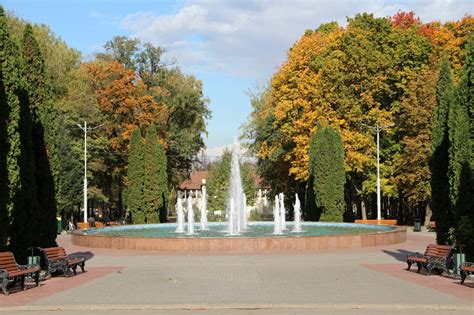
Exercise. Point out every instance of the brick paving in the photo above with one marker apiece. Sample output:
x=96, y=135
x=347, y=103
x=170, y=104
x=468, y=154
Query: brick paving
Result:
x=338, y=281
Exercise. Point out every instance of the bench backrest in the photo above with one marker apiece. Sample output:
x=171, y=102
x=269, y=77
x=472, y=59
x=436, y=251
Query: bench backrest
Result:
x=53, y=253
x=8, y=262
x=440, y=251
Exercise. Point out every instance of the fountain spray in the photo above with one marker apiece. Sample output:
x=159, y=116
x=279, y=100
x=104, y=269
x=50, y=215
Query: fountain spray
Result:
x=180, y=215
x=190, y=216
x=297, y=209
x=276, y=217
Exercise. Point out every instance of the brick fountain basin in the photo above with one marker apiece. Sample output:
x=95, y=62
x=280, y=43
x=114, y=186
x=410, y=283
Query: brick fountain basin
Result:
x=130, y=237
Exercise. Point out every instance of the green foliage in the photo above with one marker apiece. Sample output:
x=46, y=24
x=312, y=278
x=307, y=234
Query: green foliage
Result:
x=4, y=144
x=187, y=107
x=163, y=184
x=219, y=182
x=69, y=186
x=44, y=132
x=440, y=201
x=414, y=130
x=155, y=191
x=25, y=229
x=21, y=205
x=327, y=169
x=461, y=135
x=136, y=178
x=254, y=215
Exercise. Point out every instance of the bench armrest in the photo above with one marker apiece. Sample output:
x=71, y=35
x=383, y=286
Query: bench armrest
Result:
x=23, y=267
x=3, y=273
x=416, y=254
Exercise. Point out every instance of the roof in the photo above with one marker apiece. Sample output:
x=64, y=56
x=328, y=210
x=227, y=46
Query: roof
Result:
x=195, y=181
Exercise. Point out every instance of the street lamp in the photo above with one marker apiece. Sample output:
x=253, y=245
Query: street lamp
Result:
x=378, y=128
x=86, y=129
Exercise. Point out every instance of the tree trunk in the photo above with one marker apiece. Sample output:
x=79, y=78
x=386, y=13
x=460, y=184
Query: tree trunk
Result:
x=364, y=212
x=428, y=214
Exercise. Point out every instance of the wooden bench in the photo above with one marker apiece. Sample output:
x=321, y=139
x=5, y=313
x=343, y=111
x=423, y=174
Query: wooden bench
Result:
x=467, y=269
x=436, y=257
x=55, y=259
x=11, y=272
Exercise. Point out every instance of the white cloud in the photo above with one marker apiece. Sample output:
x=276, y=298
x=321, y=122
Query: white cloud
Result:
x=250, y=38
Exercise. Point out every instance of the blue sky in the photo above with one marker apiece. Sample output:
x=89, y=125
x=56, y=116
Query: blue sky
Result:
x=231, y=45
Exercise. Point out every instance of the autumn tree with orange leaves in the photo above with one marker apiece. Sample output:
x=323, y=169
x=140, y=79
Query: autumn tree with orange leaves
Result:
x=373, y=71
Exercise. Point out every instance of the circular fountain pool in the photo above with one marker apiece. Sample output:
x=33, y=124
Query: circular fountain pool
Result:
x=258, y=237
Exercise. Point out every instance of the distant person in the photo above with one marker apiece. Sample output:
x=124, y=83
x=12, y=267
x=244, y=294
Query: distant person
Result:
x=91, y=221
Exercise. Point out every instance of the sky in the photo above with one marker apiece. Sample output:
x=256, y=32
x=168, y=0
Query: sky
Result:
x=232, y=46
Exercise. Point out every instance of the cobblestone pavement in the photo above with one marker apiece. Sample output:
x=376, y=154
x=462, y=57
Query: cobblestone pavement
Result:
x=367, y=281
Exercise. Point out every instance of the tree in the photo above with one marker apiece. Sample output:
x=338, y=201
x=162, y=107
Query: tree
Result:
x=155, y=193
x=22, y=208
x=5, y=82
x=182, y=95
x=136, y=178
x=44, y=126
x=461, y=156
x=163, y=183
x=219, y=182
x=413, y=123
x=69, y=188
x=327, y=169
x=440, y=201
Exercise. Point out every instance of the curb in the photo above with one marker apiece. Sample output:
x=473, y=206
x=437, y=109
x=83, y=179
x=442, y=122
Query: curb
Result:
x=196, y=307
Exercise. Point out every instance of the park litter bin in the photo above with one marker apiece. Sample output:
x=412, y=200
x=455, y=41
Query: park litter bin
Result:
x=416, y=225
x=59, y=222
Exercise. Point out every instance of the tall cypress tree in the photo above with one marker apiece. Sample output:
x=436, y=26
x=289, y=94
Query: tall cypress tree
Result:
x=136, y=177
x=328, y=174
x=39, y=94
x=163, y=176
x=5, y=82
x=462, y=156
x=152, y=185
x=22, y=208
x=310, y=211
x=440, y=201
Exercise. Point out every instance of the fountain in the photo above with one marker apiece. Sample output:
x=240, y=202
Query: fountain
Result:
x=190, y=216
x=237, y=234
x=204, y=226
x=180, y=216
x=276, y=217
x=297, y=211
x=282, y=212
x=236, y=207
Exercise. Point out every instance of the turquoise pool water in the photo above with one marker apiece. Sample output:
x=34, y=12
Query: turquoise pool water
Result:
x=255, y=229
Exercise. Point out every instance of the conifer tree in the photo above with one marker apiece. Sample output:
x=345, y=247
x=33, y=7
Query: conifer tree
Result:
x=310, y=212
x=136, y=176
x=461, y=155
x=152, y=186
x=43, y=122
x=328, y=173
x=22, y=209
x=5, y=82
x=25, y=229
x=163, y=177
x=440, y=201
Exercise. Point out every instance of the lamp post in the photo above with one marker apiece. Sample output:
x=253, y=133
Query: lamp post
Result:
x=378, y=128
x=86, y=129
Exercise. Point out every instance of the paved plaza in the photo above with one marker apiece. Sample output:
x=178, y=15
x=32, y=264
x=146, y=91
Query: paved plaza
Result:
x=367, y=281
